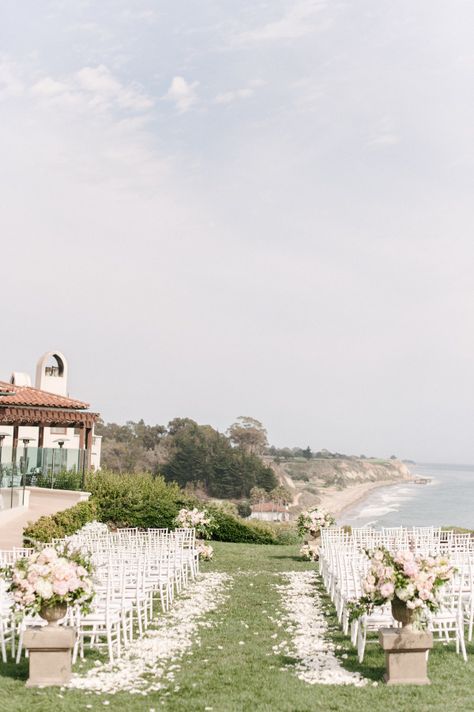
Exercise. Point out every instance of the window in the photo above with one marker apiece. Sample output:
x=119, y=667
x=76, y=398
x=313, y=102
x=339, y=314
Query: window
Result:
x=58, y=431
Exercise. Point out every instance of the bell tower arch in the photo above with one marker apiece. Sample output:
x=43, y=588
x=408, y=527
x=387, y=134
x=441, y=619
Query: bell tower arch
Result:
x=52, y=373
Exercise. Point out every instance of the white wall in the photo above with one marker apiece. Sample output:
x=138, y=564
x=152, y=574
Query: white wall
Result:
x=271, y=516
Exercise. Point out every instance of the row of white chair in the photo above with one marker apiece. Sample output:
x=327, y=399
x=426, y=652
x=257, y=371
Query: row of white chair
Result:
x=344, y=564
x=131, y=569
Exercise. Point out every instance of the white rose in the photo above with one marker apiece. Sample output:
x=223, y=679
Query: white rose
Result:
x=44, y=588
x=402, y=594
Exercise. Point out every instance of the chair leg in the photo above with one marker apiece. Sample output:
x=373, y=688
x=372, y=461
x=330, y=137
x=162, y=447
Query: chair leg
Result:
x=361, y=640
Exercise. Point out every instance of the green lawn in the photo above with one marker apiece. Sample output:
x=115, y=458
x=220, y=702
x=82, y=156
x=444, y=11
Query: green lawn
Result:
x=225, y=675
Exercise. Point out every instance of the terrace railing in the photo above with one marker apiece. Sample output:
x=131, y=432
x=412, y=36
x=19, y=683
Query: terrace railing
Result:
x=53, y=468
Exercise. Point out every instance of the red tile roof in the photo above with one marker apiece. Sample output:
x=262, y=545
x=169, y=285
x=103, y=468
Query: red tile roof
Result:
x=268, y=507
x=12, y=395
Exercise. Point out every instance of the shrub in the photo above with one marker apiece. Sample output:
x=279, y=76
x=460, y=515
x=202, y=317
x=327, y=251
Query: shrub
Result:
x=136, y=500
x=244, y=509
x=57, y=526
x=286, y=534
x=232, y=528
x=145, y=501
x=69, y=480
x=235, y=529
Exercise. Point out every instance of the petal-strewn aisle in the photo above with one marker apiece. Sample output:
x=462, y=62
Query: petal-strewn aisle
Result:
x=150, y=662
x=305, y=620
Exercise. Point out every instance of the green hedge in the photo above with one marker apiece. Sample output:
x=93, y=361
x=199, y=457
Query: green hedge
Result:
x=233, y=528
x=62, y=480
x=61, y=524
x=130, y=500
x=141, y=500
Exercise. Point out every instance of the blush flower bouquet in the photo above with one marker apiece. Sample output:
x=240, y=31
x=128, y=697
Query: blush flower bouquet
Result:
x=201, y=521
x=53, y=576
x=313, y=520
x=307, y=553
x=403, y=579
x=205, y=551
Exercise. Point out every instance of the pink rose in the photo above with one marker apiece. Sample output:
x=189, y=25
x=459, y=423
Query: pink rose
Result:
x=410, y=569
x=60, y=588
x=386, y=590
x=49, y=554
x=73, y=584
x=32, y=577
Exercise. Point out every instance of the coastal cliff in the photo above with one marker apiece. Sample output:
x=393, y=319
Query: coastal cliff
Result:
x=336, y=483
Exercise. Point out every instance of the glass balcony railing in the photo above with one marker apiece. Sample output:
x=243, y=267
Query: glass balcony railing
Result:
x=54, y=468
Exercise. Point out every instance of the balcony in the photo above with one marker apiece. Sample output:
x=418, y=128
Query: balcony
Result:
x=52, y=468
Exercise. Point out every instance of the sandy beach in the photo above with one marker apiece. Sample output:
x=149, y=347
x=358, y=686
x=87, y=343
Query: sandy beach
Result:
x=337, y=501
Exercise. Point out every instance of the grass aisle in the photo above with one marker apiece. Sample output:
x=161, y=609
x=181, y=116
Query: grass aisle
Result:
x=235, y=668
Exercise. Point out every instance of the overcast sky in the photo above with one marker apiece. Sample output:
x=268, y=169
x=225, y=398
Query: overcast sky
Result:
x=242, y=207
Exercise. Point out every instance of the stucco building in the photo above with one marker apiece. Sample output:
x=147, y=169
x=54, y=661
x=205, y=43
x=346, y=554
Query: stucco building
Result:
x=42, y=429
x=270, y=512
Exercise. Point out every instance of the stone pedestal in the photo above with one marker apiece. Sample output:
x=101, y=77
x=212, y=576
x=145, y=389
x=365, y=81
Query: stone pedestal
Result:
x=314, y=541
x=406, y=655
x=50, y=655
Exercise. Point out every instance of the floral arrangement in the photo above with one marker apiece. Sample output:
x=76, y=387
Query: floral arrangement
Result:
x=415, y=581
x=205, y=551
x=196, y=519
x=50, y=577
x=313, y=520
x=94, y=527
x=307, y=553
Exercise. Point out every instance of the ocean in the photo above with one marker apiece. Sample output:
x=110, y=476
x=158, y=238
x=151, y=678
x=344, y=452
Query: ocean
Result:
x=447, y=500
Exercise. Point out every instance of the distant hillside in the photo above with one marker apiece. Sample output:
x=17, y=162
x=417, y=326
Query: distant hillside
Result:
x=310, y=479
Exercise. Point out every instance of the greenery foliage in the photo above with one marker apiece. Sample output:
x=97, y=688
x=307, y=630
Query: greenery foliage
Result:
x=203, y=457
x=141, y=500
x=135, y=500
x=68, y=480
x=57, y=526
x=192, y=455
x=249, y=435
x=233, y=528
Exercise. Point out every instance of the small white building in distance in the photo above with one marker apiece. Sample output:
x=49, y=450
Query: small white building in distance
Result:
x=270, y=512
x=45, y=419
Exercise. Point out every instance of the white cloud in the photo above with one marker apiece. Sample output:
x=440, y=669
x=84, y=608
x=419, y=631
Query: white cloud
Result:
x=48, y=87
x=298, y=21
x=182, y=94
x=149, y=16
x=100, y=82
x=387, y=139
x=385, y=133
x=10, y=81
x=230, y=96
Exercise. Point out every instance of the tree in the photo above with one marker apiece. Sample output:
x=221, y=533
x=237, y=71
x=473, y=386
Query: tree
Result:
x=281, y=494
x=258, y=494
x=249, y=435
x=307, y=453
x=244, y=509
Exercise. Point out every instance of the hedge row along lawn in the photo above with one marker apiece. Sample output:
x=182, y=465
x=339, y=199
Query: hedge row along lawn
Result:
x=235, y=669
x=141, y=500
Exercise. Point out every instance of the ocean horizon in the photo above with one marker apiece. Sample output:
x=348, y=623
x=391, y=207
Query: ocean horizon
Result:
x=446, y=500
